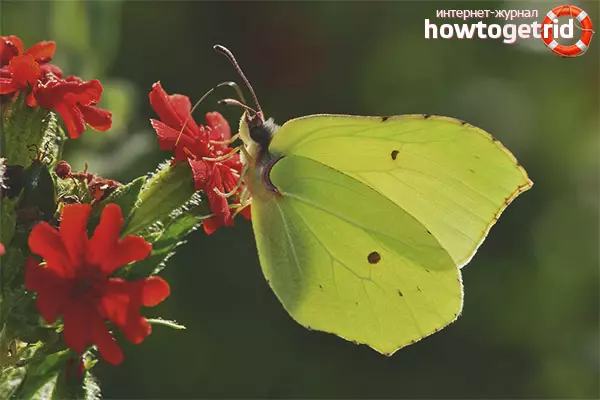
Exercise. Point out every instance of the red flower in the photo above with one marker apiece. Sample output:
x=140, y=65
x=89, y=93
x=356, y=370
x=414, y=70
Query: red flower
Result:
x=75, y=282
x=75, y=101
x=12, y=46
x=72, y=98
x=196, y=144
x=21, y=70
x=2, y=249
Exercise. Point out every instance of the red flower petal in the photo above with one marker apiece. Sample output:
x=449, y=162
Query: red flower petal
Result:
x=219, y=128
x=97, y=118
x=53, y=291
x=159, y=100
x=201, y=171
x=2, y=249
x=104, y=341
x=247, y=212
x=106, y=235
x=73, y=231
x=211, y=225
x=84, y=93
x=128, y=249
x=46, y=242
x=172, y=110
x=7, y=86
x=168, y=137
x=121, y=305
x=31, y=101
x=77, y=316
x=72, y=118
x=154, y=290
x=10, y=46
x=42, y=51
x=24, y=70
x=48, y=68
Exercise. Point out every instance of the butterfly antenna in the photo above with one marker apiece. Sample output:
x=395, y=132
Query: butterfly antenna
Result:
x=237, y=89
x=234, y=102
x=223, y=50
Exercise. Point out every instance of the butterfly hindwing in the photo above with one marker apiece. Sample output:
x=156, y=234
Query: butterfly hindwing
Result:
x=344, y=259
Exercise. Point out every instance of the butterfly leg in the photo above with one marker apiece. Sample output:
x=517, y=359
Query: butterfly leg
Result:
x=237, y=186
x=228, y=141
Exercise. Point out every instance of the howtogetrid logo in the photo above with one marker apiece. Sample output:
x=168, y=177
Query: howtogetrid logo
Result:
x=549, y=30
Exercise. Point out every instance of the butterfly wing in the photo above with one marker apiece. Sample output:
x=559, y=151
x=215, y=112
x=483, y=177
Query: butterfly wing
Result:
x=454, y=178
x=344, y=259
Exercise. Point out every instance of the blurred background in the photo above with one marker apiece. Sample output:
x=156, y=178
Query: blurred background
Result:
x=530, y=323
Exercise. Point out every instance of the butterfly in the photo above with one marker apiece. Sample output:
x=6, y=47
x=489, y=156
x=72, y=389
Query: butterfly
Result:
x=362, y=224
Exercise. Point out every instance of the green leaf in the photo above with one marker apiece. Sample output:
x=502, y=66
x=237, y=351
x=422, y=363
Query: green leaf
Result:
x=39, y=192
x=41, y=374
x=23, y=126
x=10, y=379
x=76, y=382
x=168, y=234
x=167, y=190
x=165, y=322
x=124, y=196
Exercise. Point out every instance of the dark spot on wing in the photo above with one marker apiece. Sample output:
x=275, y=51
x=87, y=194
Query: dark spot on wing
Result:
x=400, y=293
x=321, y=286
x=383, y=119
x=419, y=289
x=374, y=257
x=425, y=116
x=395, y=154
x=427, y=270
x=472, y=170
x=463, y=122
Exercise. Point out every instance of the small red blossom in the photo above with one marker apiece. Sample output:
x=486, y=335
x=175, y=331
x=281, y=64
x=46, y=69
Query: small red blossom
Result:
x=2, y=249
x=100, y=188
x=199, y=145
x=75, y=101
x=75, y=280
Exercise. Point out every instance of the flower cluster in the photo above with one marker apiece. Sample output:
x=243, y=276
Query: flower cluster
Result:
x=30, y=71
x=76, y=281
x=216, y=167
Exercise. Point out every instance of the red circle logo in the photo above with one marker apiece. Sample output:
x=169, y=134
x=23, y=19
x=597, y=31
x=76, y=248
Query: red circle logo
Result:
x=587, y=31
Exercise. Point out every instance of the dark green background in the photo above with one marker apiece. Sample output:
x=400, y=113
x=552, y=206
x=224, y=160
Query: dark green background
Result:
x=530, y=322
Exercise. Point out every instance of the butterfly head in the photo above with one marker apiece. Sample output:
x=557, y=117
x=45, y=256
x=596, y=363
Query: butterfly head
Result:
x=257, y=133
